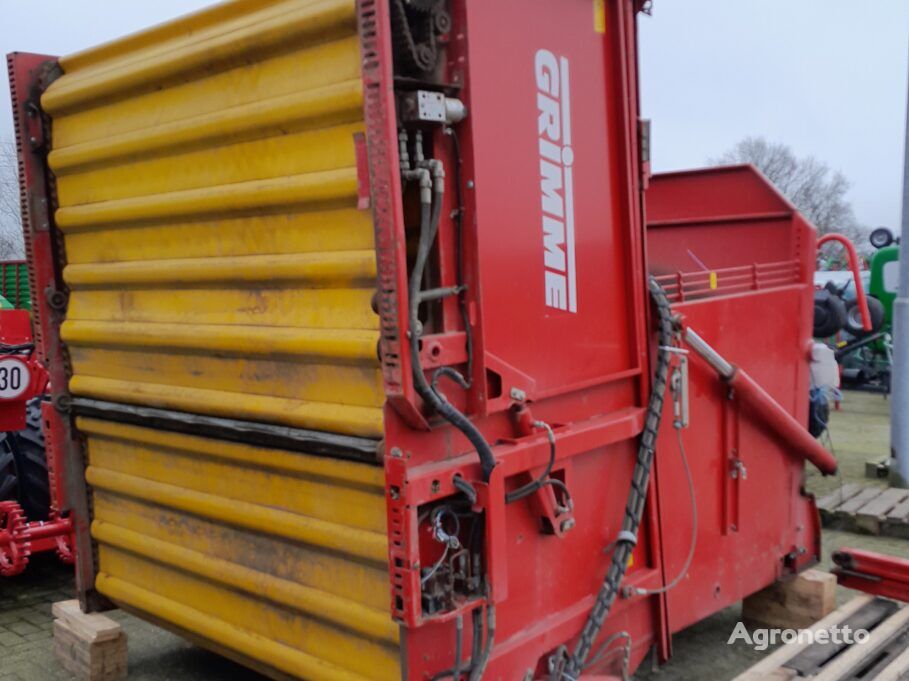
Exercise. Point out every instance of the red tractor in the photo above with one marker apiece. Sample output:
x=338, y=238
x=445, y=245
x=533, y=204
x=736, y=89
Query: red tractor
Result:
x=30, y=519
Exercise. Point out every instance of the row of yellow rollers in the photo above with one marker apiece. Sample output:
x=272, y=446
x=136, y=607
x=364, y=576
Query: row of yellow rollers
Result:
x=207, y=190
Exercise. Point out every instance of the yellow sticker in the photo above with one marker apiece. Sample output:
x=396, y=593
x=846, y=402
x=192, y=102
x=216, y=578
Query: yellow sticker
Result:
x=713, y=283
x=630, y=561
x=599, y=16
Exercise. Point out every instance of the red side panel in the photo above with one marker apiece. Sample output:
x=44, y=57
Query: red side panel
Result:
x=737, y=261
x=527, y=192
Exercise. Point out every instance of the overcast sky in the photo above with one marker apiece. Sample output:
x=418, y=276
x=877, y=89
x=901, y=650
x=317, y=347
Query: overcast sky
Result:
x=827, y=77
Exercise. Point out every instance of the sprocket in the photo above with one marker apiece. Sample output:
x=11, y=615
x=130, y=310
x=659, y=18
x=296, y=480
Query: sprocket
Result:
x=14, y=550
x=65, y=549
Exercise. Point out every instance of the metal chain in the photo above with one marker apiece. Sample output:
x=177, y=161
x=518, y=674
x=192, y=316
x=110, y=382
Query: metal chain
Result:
x=420, y=56
x=569, y=667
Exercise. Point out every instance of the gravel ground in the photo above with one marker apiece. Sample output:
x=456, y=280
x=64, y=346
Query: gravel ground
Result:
x=860, y=431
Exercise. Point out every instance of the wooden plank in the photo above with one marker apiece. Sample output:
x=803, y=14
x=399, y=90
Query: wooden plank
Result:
x=870, y=516
x=897, y=669
x=856, y=654
x=91, y=628
x=900, y=513
x=884, y=659
x=812, y=659
x=776, y=659
x=889, y=499
x=838, y=496
x=858, y=501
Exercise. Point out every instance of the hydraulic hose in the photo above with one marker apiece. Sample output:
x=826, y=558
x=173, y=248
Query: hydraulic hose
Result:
x=479, y=667
x=570, y=666
x=430, y=215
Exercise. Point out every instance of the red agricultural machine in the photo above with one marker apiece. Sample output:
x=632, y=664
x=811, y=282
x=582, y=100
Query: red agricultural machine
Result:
x=30, y=487
x=369, y=358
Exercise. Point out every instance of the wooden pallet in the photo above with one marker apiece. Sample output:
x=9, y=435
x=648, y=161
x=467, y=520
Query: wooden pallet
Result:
x=883, y=657
x=869, y=509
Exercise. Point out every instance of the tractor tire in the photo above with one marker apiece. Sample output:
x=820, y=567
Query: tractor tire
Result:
x=9, y=485
x=854, y=317
x=829, y=314
x=31, y=464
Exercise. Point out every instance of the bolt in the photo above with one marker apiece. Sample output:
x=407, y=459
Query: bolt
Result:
x=435, y=487
x=396, y=453
x=470, y=184
x=63, y=403
x=394, y=493
x=56, y=300
x=567, y=525
x=518, y=395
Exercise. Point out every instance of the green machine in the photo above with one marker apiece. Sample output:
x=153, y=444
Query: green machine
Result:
x=867, y=358
x=14, y=284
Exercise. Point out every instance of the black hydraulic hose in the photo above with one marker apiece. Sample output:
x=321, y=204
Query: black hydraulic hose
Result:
x=430, y=215
x=476, y=673
x=571, y=666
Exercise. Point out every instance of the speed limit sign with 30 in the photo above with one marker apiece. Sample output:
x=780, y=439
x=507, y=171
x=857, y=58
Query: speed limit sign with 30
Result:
x=14, y=378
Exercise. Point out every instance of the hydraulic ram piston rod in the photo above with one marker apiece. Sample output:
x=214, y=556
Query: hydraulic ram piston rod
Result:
x=763, y=407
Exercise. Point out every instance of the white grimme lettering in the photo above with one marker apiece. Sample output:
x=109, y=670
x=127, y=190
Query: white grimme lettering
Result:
x=556, y=180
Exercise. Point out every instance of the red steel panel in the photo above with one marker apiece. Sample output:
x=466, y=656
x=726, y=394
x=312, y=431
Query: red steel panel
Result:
x=583, y=371
x=549, y=350
x=755, y=523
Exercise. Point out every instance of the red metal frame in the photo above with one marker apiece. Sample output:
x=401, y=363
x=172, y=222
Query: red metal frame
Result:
x=873, y=573
x=597, y=415
x=29, y=75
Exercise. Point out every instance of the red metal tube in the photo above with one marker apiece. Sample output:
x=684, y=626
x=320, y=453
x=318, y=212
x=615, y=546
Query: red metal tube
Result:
x=39, y=530
x=875, y=564
x=769, y=411
x=873, y=573
x=856, y=275
x=794, y=434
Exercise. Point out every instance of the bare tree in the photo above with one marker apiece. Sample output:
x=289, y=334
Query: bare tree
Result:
x=817, y=191
x=11, y=245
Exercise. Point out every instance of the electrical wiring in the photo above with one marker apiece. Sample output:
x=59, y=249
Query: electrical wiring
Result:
x=604, y=652
x=694, y=528
x=531, y=487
